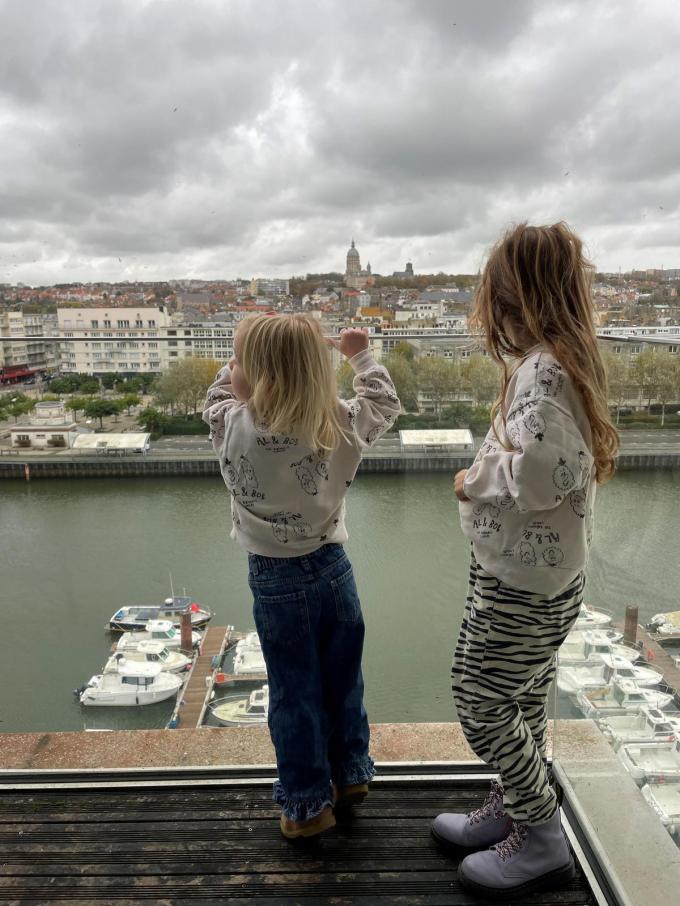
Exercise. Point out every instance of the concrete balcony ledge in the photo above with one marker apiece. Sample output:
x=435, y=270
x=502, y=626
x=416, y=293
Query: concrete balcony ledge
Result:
x=251, y=745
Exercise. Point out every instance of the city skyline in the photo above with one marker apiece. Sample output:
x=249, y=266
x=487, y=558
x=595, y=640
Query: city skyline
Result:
x=147, y=141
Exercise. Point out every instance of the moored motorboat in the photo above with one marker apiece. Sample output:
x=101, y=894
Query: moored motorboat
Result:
x=235, y=711
x=135, y=616
x=619, y=697
x=647, y=725
x=155, y=652
x=652, y=761
x=131, y=684
x=158, y=631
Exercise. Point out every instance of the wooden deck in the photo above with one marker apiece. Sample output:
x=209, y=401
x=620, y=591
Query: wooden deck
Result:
x=192, y=698
x=175, y=837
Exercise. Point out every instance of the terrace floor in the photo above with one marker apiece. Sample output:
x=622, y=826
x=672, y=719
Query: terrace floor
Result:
x=172, y=836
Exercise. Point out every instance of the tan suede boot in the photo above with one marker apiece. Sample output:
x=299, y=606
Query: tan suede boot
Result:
x=293, y=830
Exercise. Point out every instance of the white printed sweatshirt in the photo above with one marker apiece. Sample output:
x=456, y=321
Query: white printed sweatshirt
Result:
x=530, y=511
x=287, y=500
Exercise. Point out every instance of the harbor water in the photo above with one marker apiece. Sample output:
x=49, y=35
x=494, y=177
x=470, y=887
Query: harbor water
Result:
x=73, y=551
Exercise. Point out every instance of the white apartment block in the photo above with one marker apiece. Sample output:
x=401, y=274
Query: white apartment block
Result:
x=133, y=340
x=29, y=350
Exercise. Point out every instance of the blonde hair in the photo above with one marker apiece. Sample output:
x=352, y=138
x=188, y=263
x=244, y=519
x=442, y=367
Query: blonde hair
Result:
x=287, y=365
x=536, y=285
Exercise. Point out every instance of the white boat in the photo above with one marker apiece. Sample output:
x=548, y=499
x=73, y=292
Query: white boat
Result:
x=570, y=679
x=155, y=652
x=589, y=646
x=248, y=657
x=619, y=697
x=648, y=725
x=158, y=631
x=249, y=662
x=251, y=642
x=132, y=684
x=589, y=618
x=666, y=624
x=652, y=761
x=243, y=712
x=136, y=616
x=664, y=798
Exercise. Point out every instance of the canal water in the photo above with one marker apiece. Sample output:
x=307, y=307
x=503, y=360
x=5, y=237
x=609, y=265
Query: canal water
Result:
x=73, y=551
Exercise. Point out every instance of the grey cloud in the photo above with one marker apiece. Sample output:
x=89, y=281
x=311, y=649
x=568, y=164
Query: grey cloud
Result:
x=251, y=137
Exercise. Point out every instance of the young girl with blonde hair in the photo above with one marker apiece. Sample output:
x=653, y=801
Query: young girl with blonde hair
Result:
x=526, y=504
x=289, y=450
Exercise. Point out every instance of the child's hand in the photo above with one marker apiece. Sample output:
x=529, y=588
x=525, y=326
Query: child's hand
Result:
x=353, y=340
x=458, y=480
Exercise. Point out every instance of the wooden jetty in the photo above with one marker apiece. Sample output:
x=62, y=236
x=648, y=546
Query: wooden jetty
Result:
x=192, y=699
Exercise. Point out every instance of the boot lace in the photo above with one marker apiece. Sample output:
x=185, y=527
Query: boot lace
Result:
x=492, y=807
x=512, y=843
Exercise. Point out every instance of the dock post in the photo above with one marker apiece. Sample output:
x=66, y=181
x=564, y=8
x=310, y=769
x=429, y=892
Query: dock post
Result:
x=27, y=472
x=631, y=624
x=185, y=633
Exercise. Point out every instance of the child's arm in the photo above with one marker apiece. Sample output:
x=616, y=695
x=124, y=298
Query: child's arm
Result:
x=219, y=402
x=376, y=404
x=552, y=460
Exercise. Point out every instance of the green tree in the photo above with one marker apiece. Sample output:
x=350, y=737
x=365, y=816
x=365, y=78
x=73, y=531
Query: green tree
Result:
x=667, y=381
x=185, y=383
x=20, y=407
x=645, y=374
x=152, y=420
x=405, y=350
x=618, y=379
x=77, y=404
x=130, y=400
x=482, y=375
x=439, y=379
x=100, y=408
x=404, y=378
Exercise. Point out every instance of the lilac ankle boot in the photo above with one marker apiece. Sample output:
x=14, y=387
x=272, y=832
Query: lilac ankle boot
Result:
x=530, y=858
x=479, y=829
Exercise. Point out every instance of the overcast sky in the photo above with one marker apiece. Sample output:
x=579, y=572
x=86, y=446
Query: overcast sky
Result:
x=169, y=139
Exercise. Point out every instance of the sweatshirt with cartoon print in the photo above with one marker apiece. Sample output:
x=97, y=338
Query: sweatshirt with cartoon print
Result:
x=287, y=500
x=530, y=511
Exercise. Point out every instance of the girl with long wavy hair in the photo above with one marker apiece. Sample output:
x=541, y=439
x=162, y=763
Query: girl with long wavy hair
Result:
x=526, y=505
x=288, y=450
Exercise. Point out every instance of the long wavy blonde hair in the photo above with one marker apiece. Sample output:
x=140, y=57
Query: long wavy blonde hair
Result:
x=287, y=365
x=535, y=289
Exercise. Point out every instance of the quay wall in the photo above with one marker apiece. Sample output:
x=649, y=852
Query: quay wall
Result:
x=78, y=466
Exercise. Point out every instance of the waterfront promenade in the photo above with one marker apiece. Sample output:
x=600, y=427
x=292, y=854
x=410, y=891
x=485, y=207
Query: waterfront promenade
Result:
x=193, y=456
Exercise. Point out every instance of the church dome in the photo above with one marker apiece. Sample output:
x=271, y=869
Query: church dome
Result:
x=353, y=253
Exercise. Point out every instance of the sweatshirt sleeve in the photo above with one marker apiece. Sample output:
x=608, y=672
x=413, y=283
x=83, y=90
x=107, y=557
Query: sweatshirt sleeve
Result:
x=551, y=458
x=219, y=403
x=376, y=404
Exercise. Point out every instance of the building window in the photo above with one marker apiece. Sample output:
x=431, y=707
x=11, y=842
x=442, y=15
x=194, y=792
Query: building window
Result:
x=94, y=323
x=107, y=323
x=139, y=323
x=122, y=324
x=151, y=323
x=673, y=349
x=635, y=350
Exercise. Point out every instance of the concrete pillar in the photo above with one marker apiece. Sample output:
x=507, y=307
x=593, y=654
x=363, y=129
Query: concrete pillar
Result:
x=631, y=624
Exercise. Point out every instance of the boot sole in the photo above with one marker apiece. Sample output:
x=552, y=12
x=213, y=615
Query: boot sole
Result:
x=350, y=800
x=551, y=879
x=307, y=833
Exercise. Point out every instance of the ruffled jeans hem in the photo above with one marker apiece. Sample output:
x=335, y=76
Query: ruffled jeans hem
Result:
x=359, y=770
x=301, y=808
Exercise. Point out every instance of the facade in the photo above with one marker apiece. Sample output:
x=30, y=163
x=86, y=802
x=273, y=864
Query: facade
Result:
x=49, y=426
x=269, y=287
x=25, y=358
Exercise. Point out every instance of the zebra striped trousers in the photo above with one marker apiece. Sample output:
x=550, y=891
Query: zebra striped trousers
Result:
x=502, y=670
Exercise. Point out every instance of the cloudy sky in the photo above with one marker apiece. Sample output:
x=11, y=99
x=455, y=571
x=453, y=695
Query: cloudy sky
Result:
x=168, y=139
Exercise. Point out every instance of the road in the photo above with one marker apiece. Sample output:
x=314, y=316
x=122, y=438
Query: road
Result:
x=631, y=442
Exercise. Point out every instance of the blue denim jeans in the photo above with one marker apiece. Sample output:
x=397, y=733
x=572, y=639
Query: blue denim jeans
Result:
x=308, y=617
